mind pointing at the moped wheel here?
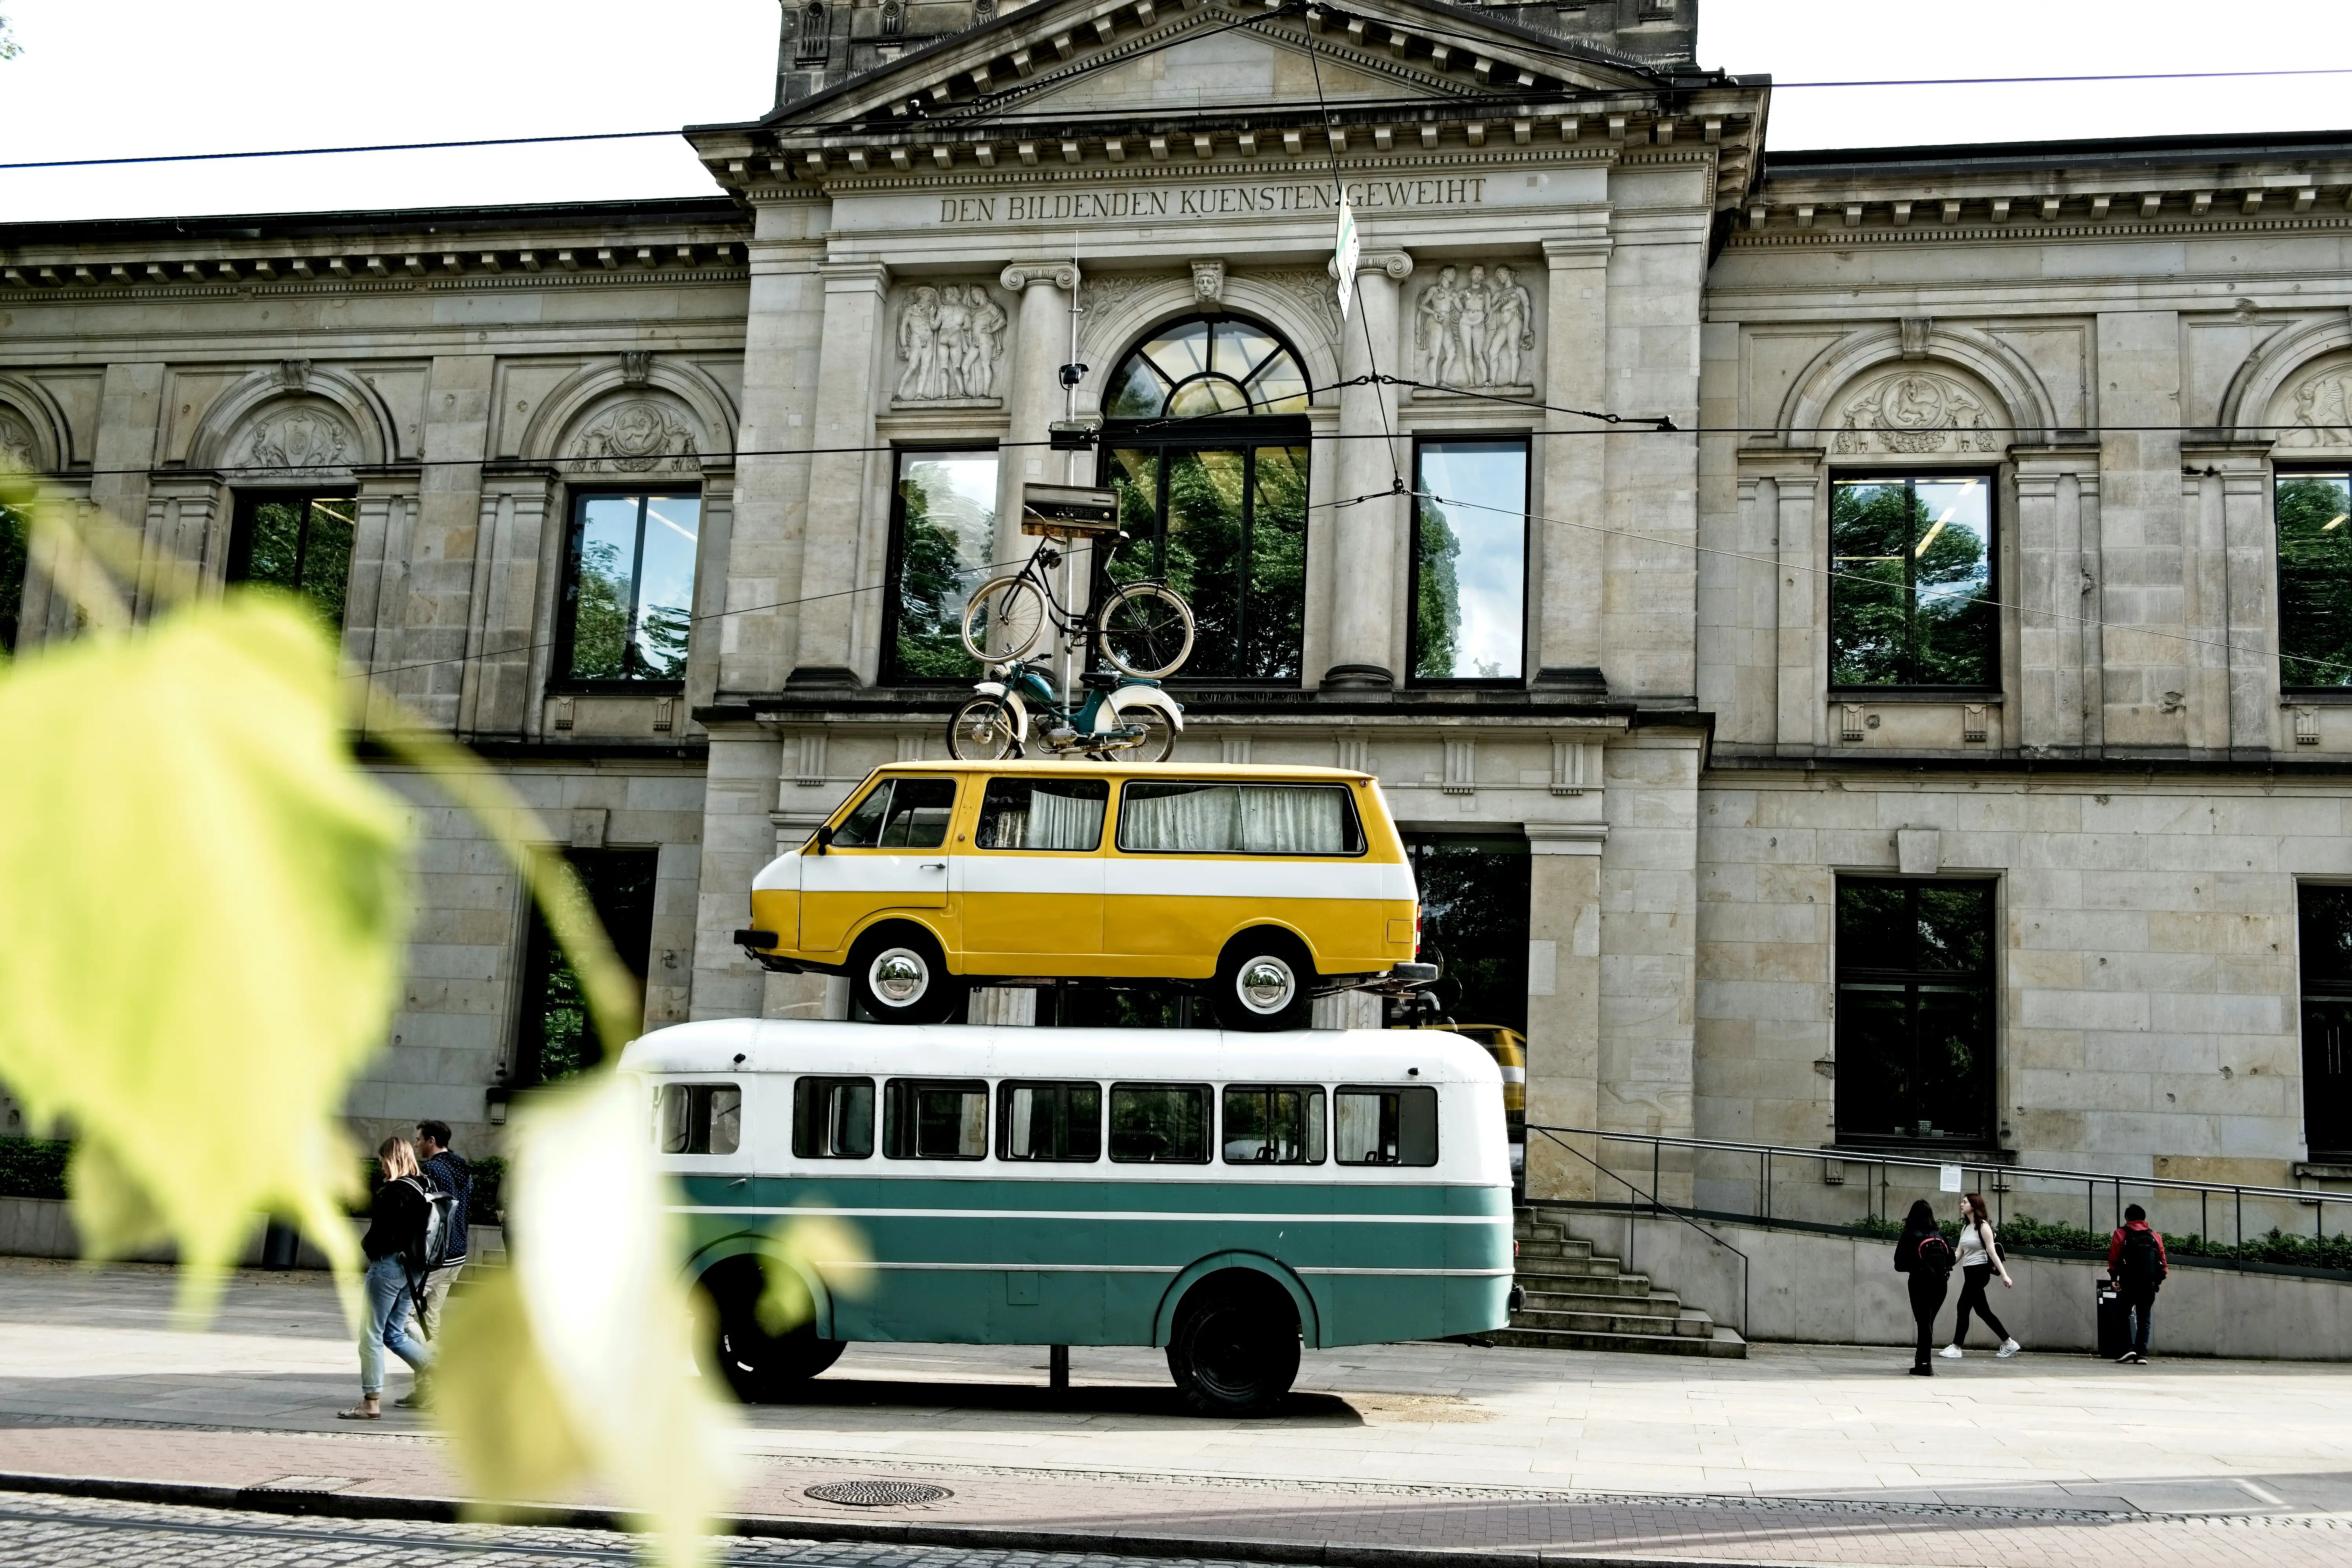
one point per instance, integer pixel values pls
(1003, 620)
(1146, 630)
(1158, 742)
(982, 732)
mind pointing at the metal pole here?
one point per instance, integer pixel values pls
(1767, 1187)
(1058, 1364)
(2240, 1194)
(1656, 1147)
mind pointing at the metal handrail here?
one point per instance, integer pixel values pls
(1655, 1207)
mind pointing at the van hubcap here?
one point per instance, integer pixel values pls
(898, 976)
(1267, 985)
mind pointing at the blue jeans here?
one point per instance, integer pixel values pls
(2137, 1302)
(386, 1285)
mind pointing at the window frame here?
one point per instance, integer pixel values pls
(1355, 820)
(2283, 473)
(895, 558)
(887, 1101)
(237, 566)
(1312, 1094)
(1436, 1126)
(2317, 985)
(1004, 1091)
(1996, 638)
(873, 1130)
(1525, 441)
(979, 818)
(696, 1092)
(1988, 979)
(567, 602)
(1208, 1093)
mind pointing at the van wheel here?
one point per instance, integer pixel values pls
(899, 977)
(761, 1367)
(1261, 983)
(1235, 1350)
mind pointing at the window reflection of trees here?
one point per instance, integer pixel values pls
(944, 540)
(1911, 600)
(2313, 513)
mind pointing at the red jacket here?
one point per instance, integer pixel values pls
(2115, 1247)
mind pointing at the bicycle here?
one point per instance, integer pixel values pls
(1144, 628)
(1132, 718)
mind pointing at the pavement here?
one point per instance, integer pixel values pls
(1396, 1455)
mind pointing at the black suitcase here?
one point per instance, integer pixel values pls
(2114, 1327)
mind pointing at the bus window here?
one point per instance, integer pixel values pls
(1279, 1124)
(900, 813)
(930, 1119)
(1050, 1121)
(1160, 1123)
(702, 1118)
(1043, 814)
(1386, 1126)
(1205, 818)
(832, 1118)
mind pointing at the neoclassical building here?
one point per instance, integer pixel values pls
(1870, 664)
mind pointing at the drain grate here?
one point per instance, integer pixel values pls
(877, 1494)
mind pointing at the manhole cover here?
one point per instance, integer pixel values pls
(877, 1494)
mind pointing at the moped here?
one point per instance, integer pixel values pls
(1121, 717)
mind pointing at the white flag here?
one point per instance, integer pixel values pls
(1347, 249)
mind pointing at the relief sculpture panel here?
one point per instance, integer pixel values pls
(2318, 411)
(18, 455)
(950, 338)
(636, 437)
(1475, 333)
(1915, 413)
(301, 440)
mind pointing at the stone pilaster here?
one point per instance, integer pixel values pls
(1564, 1003)
(1575, 467)
(1032, 391)
(2048, 688)
(848, 359)
(1367, 624)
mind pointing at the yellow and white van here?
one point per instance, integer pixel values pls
(1268, 885)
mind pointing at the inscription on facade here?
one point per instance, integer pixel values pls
(1208, 201)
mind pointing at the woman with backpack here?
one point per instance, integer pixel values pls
(396, 1225)
(1979, 1256)
(1924, 1254)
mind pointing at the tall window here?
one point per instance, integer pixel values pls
(629, 587)
(556, 1040)
(16, 534)
(1474, 891)
(300, 543)
(2326, 953)
(942, 544)
(1911, 594)
(1206, 442)
(2314, 567)
(1914, 1012)
(1470, 560)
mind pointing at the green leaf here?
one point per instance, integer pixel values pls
(202, 906)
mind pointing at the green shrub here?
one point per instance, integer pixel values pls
(2025, 1231)
(33, 1167)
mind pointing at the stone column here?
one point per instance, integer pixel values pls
(1373, 535)
(1576, 370)
(1802, 651)
(2049, 689)
(848, 358)
(1031, 388)
(2249, 543)
(1563, 1002)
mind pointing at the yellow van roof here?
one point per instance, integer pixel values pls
(1054, 765)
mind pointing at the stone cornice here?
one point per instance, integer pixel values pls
(1775, 221)
(26, 286)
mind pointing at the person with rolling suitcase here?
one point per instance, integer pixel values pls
(1922, 1254)
(2136, 1263)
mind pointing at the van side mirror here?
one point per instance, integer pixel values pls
(821, 839)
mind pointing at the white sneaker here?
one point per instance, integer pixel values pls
(2009, 1348)
(1951, 1353)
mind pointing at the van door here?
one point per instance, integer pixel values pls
(1032, 886)
(889, 853)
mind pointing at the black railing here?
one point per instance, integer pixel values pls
(1639, 1202)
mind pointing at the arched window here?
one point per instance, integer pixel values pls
(1208, 365)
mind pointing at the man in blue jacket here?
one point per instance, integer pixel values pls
(446, 1171)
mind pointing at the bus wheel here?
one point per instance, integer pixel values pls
(1261, 985)
(1236, 1349)
(899, 977)
(761, 1367)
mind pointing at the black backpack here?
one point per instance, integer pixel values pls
(2143, 1261)
(429, 1248)
(1933, 1257)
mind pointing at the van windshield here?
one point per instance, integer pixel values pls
(900, 813)
(1238, 819)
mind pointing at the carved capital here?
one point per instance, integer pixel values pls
(1019, 274)
(1394, 264)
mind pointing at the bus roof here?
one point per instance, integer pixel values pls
(1054, 765)
(723, 1045)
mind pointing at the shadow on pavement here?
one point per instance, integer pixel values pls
(1084, 1399)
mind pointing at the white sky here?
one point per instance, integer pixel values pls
(110, 77)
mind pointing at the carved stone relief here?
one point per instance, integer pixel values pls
(2319, 411)
(1475, 332)
(1915, 413)
(1313, 289)
(17, 452)
(1209, 281)
(949, 338)
(301, 440)
(637, 438)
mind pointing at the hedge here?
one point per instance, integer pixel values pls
(33, 1167)
(2024, 1230)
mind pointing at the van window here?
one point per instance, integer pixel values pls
(1386, 1126)
(832, 1118)
(1273, 1124)
(1239, 819)
(900, 813)
(1160, 1123)
(701, 1117)
(1043, 814)
(1049, 1121)
(926, 1119)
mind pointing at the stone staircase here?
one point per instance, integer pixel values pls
(1579, 1301)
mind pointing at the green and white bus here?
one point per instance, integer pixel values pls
(1227, 1196)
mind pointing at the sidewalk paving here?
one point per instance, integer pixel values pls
(1800, 1455)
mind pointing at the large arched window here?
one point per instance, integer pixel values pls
(1205, 438)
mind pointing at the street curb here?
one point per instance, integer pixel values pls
(776, 1527)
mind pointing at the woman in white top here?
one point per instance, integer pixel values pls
(1979, 1256)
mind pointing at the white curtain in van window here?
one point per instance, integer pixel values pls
(1289, 821)
(1205, 819)
(1256, 819)
(1064, 821)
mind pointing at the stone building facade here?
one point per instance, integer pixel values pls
(1889, 540)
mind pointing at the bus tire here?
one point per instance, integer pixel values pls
(1262, 984)
(899, 976)
(1235, 1347)
(761, 1367)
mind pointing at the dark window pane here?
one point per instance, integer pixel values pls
(302, 544)
(1278, 1125)
(1275, 616)
(918, 816)
(1059, 1121)
(1955, 926)
(1385, 1126)
(832, 1118)
(2325, 918)
(1911, 590)
(557, 1041)
(933, 1121)
(1915, 1011)
(947, 539)
(702, 1118)
(1875, 926)
(2314, 512)
(327, 556)
(16, 534)
(1473, 925)
(1469, 603)
(1160, 1123)
(1204, 553)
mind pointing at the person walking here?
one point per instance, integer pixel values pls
(396, 1219)
(446, 1171)
(1979, 1256)
(1924, 1254)
(2136, 1263)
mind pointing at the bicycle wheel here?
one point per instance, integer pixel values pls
(1146, 630)
(981, 731)
(1003, 620)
